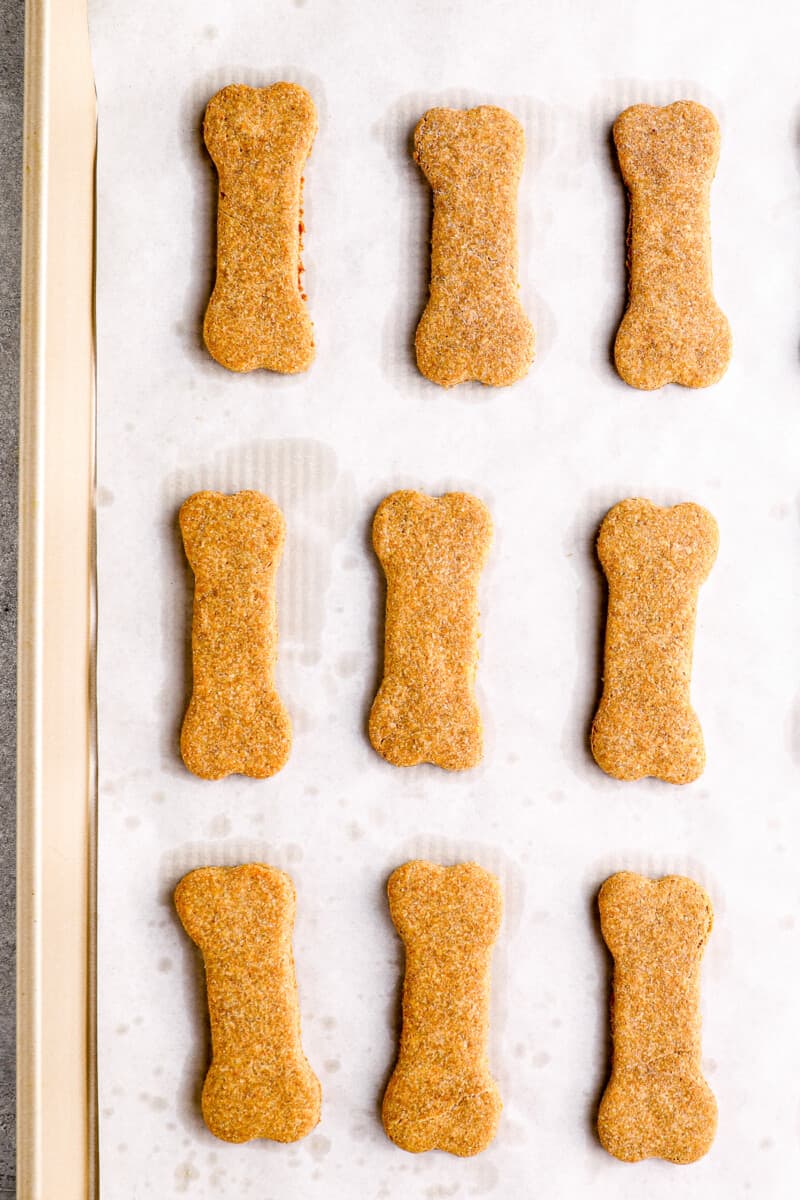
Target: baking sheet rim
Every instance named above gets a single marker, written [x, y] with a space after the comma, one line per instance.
[55, 805]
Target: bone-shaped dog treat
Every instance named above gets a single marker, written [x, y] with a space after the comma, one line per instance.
[260, 1084]
[441, 1095]
[474, 326]
[432, 552]
[655, 560]
[259, 139]
[657, 1103]
[673, 331]
[235, 721]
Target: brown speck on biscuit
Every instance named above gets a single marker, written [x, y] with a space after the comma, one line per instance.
[655, 560]
[432, 552]
[259, 139]
[657, 1103]
[235, 721]
[474, 326]
[260, 1084]
[441, 1095]
[673, 330]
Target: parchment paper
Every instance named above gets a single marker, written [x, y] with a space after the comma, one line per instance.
[549, 456]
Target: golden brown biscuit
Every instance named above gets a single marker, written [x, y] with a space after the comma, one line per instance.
[474, 326]
[259, 1084]
[432, 552]
[259, 139]
[673, 330]
[655, 560]
[441, 1095]
[235, 721]
[657, 1103]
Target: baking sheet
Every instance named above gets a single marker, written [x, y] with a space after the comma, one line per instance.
[549, 456]
[55, 1117]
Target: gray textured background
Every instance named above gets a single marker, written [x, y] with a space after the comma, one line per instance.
[11, 58]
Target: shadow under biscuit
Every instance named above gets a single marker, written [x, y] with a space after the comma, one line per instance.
[604, 1040]
[172, 699]
[624, 245]
[394, 1006]
[796, 149]
[377, 638]
[198, 1023]
[590, 626]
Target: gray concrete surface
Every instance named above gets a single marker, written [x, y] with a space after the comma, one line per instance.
[11, 59]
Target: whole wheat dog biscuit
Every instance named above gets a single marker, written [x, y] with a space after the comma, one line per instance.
[235, 721]
[673, 330]
[259, 139]
[432, 552]
[655, 560]
[474, 326]
[259, 1084]
[441, 1095]
[657, 1103]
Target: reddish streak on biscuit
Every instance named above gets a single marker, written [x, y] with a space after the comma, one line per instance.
[441, 1095]
[657, 1103]
[259, 139]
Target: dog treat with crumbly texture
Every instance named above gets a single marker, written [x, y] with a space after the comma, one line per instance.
[655, 560]
[259, 139]
[260, 1084]
[432, 552]
[474, 326]
[673, 330]
[657, 1103]
[235, 721]
[441, 1095]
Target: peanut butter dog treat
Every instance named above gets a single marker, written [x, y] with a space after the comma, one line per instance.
[673, 330]
[432, 552]
[655, 560]
[259, 1084]
[657, 1103]
[235, 721]
[441, 1095]
[259, 139]
[474, 326]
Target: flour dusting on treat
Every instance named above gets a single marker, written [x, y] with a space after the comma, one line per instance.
[432, 552]
[441, 1094]
[657, 1103]
[474, 326]
[259, 139]
[673, 330]
[655, 560]
[235, 721]
[259, 1084]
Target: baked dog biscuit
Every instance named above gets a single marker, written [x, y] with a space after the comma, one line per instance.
[259, 1084]
[259, 139]
[473, 326]
[432, 552]
[657, 1103]
[673, 331]
[441, 1095]
[655, 560]
[235, 721]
